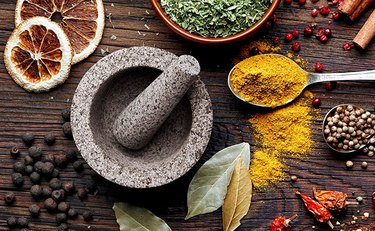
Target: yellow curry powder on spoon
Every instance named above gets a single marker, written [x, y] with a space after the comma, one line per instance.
[282, 132]
[268, 80]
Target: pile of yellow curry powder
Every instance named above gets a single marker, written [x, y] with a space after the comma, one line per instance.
[282, 132]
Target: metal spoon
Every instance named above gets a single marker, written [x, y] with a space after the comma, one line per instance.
[313, 78]
[330, 113]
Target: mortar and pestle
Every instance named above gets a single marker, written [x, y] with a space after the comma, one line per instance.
[141, 117]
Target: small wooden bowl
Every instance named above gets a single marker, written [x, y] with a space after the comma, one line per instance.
[200, 39]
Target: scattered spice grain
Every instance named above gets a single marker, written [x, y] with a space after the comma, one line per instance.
[49, 139]
[34, 210]
[14, 152]
[28, 138]
[9, 198]
[12, 221]
[17, 179]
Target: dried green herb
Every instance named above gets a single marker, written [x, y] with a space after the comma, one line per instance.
[215, 18]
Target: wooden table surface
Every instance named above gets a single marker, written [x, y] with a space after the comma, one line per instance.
[22, 112]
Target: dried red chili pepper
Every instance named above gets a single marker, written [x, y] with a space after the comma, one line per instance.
[282, 224]
[332, 200]
[320, 213]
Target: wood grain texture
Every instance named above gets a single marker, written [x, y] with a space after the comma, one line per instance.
[21, 112]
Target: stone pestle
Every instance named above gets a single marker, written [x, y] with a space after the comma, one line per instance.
[141, 119]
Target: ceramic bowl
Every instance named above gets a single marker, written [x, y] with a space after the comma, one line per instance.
[106, 90]
[200, 39]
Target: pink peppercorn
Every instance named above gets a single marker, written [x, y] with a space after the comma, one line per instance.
[314, 12]
[316, 102]
[324, 10]
[347, 47]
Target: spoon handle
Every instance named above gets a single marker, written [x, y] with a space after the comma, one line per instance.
[323, 77]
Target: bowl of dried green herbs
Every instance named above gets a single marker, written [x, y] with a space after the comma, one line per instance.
[215, 21]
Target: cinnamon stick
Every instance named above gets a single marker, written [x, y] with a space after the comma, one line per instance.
[360, 8]
[367, 33]
[349, 6]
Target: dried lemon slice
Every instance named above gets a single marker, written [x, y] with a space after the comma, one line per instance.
[38, 55]
[82, 20]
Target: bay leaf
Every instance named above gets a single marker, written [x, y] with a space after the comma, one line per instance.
[208, 187]
[131, 217]
[238, 199]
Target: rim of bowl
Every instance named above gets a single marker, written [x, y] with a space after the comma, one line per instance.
[207, 40]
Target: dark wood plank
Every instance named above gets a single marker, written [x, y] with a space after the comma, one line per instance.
[22, 112]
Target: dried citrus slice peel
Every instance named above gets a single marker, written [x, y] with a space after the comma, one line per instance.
[38, 55]
[82, 21]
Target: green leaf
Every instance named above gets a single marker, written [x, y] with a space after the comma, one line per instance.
[208, 188]
[130, 217]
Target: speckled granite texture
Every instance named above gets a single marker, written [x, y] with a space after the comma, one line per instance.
[142, 118]
[103, 94]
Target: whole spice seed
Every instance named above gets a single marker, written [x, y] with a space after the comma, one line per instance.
[308, 31]
[34, 210]
[336, 15]
[58, 195]
[63, 207]
[17, 179]
[28, 160]
[82, 193]
[65, 114]
[60, 160]
[316, 102]
[49, 139]
[36, 191]
[281, 223]
[62, 227]
[324, 10]
[48, 168]
[19, 166]
[295, 33]
[87, 215]
[38, 166]
[72, 213]
[288, 37]
[28, 138]
[48, 158]
[320, 213]
[332, 200]
[29, 169]
[347, 46]
[296, 46]
[301, 2]
[35, 177]
[364, 165]
[15, 152]
[314, 12]
[61, 218]
[288, 2]
[206, 18]
[319, 67]
[323, 38]
[78, 165]
[46, 191]
[55, 173]
[67, 130]
[9, 198]
[68, 187]
[55, 183]
[349, 164]
[359, 199]
[12, 221]
[23, 222]
[71, 155]
[50, 204]
[35, 152]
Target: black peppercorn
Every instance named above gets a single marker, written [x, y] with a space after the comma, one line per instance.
[63, 207]
[254, 51]
[29, 169]
[35, 152]
[67, 130]
[36, 191]
[19, 166]
[65, 114]
[60, 160]
[38, 166]
[46, 191]
[68, 187]
[34, 210]
[71, 155]
[49, 158]
[23, 222]
[55, 173]
[9, 198]
[90, 186]
[48, 168]
[12, 221]
[55, 183]
[28, 138]
[78, 165]
[50, 139]
[17, 179]
[58, 195]
[87, 215]
[82, 193]
[62, 227]
[28, 160]
[14, 152]
[72, 213]
[50, 204]
[35, 177]
[61, 218]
